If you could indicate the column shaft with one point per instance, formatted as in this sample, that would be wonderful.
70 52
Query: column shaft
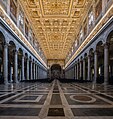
37 71
106 64
11 74
16 67
84 70
89 68
34 70
27 69
95 66
80 69
5 63
31 71
23 68
77 70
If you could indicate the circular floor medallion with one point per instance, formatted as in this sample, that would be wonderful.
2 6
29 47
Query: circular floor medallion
83 98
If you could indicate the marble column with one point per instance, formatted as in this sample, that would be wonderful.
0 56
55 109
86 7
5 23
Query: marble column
31 71
28 69
23 67
20 76
77 70
84 69
62 72
106 64
16 67
34 71
5 63
80 69
11 74
50 73
89 68
95 66
37 72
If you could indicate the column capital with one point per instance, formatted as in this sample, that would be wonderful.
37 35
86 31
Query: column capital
81 60
33 62
15 51
6 45
95 52
28 58
23 56
84 58
78 62
75 63
89 55
106 46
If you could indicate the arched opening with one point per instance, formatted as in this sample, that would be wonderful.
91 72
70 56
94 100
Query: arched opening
33 69
2 39
30 68
56 71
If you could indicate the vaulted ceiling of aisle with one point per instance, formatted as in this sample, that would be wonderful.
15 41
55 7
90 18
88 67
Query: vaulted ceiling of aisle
56 23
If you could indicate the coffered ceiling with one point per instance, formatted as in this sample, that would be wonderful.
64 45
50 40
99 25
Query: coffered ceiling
56 23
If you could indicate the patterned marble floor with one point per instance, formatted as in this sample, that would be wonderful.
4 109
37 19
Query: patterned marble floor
56 101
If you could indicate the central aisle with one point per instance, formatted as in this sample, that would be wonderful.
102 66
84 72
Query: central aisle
56 105
56 101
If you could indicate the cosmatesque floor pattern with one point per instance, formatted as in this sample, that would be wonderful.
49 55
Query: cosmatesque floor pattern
56 101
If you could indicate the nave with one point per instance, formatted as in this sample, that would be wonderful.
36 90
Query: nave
56 101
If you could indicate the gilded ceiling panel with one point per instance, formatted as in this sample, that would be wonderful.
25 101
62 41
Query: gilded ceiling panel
56 7
56 23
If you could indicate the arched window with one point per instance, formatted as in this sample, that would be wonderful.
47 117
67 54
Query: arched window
85 28
21 19
75 43
90 18
81 35
26 27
